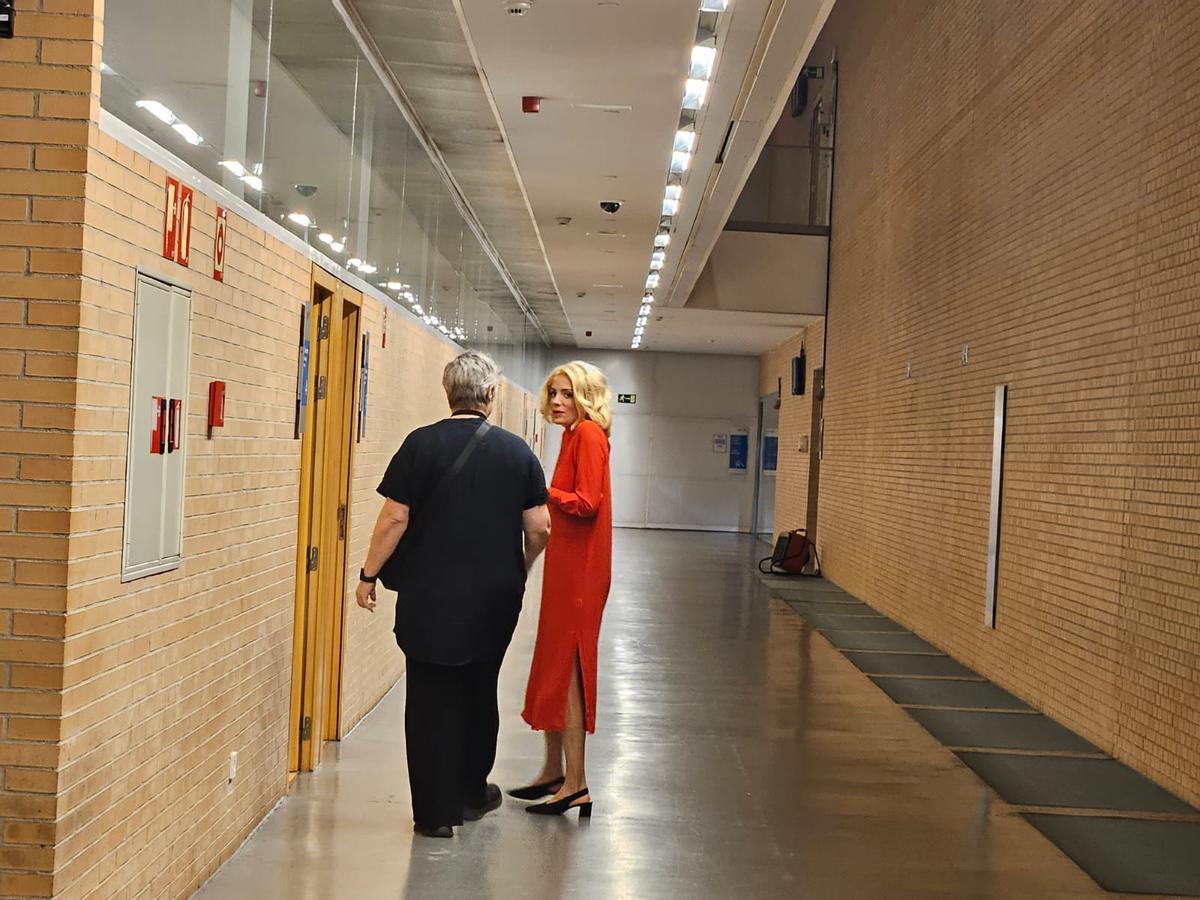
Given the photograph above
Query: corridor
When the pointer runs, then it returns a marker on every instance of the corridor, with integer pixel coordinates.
(737, 755)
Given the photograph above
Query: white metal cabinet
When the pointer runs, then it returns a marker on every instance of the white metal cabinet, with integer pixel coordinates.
(157, 429)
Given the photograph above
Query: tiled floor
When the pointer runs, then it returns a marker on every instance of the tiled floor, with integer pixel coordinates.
(739, 755)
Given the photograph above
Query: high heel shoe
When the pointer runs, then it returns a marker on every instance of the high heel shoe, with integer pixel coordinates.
(558, 807)
(537, 791)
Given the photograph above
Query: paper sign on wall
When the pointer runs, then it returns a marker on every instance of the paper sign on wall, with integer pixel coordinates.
(171, 218)
(739, 452)
(720, 443)
(219, 244)
(770, 452)
(183, 249)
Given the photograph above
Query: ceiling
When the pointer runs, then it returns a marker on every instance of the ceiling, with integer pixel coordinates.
(632, 56)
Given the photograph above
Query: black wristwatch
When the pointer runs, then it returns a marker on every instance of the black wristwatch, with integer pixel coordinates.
(369, 579)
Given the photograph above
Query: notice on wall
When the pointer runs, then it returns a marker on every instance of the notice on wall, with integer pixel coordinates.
(739, 452)
(627, 398)
(720, 443)
(770, 460)
(363, 378)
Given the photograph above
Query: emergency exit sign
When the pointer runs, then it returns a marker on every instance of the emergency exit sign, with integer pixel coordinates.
(627, 398)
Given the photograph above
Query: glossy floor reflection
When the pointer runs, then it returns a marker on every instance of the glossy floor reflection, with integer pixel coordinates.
(738, 755)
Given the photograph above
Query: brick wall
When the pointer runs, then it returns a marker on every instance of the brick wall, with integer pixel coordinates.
(1020, 177)
(795, 422)
(165, 676)
(47, 106)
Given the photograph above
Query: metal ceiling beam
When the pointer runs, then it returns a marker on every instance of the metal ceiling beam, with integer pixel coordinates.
(374, 56)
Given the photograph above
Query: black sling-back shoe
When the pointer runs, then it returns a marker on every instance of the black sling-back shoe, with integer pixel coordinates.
(537, 791)
(559, 807)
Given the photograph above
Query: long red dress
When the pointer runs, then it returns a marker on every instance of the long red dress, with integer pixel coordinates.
(576, 581)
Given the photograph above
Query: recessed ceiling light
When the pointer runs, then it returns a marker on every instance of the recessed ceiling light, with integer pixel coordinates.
(680, 162)
(670, 207)
(337, 246)
(253, 182)
(714, 5)
(158, 110)
(649, 298)
(673, 192)
(235, 167)
(685, 141)
(662, 240)
(300, 219)
(645, 310)
(188, 133)
(695, 92)
(652, 281)
(702, 62)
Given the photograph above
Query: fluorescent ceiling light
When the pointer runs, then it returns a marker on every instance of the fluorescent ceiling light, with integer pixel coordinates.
(325, 237)
(662, 240)
(300, 219)
(106, 69)
(253, 182)
(680, 162)
(660, 255)
(395, 285)
(702, 62)
(639, 331)
(443, 329)
(234, 166)
(354, 262)
(652, 281)
(369, 269)
(670, 207)
(656, 264)
(649, 298)
(673, 192)
(645, 310)
(714, 5)
(695, 93)
(642, 320)
(337, 246)
(188, 133)
(685, 141)
(157, 110)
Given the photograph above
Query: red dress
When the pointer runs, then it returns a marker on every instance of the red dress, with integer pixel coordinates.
(576, 581)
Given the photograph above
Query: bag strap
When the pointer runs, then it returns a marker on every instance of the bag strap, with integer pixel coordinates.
(460, 463)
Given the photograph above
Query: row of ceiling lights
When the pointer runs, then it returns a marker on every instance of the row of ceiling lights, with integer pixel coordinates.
(695, 94)
(253, 180)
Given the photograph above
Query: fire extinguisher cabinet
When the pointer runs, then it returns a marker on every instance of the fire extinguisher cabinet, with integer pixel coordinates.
(162, 328)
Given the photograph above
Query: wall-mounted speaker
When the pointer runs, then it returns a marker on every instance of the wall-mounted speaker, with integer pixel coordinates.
(799, 371)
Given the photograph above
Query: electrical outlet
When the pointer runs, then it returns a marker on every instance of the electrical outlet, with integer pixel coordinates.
(233, 765)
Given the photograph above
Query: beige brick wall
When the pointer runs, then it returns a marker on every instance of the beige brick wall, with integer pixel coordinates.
(47, 106)
(795, 422)
(166, 676)
(1020, 177)
(122, 702)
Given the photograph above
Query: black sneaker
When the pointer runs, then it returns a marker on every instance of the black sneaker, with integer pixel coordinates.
(493, 801)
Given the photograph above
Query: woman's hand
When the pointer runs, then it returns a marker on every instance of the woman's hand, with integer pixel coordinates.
(365, 595)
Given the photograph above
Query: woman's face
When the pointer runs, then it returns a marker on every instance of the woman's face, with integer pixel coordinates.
(563, 410)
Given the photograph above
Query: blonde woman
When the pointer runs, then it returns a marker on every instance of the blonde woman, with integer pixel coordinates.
(561, 697)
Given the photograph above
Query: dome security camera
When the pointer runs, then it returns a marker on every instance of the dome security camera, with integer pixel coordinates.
(518, 7)
(612, 207)
(306, 190)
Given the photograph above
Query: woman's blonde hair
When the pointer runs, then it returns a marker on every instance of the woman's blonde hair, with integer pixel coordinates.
(590, 387)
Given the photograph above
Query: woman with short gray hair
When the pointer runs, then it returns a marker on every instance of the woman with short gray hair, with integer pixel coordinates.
(464, 518)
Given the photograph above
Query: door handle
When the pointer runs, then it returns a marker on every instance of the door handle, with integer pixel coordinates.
(158, 435)
(173, 426)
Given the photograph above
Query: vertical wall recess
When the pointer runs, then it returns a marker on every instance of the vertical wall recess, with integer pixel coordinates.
(993, 545)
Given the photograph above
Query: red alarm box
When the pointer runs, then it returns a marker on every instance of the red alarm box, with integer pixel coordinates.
(216, 404)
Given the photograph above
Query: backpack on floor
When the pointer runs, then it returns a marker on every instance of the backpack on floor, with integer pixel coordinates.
(794, 554)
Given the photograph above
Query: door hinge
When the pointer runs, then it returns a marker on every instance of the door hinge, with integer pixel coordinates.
(306, 729)
(342, 522)
(314, 558)
(323, 329)
(321, 387)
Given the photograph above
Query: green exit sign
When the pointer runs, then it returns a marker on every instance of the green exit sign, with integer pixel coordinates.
(627, 398)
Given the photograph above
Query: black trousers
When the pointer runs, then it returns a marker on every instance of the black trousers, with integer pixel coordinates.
(451, 722)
